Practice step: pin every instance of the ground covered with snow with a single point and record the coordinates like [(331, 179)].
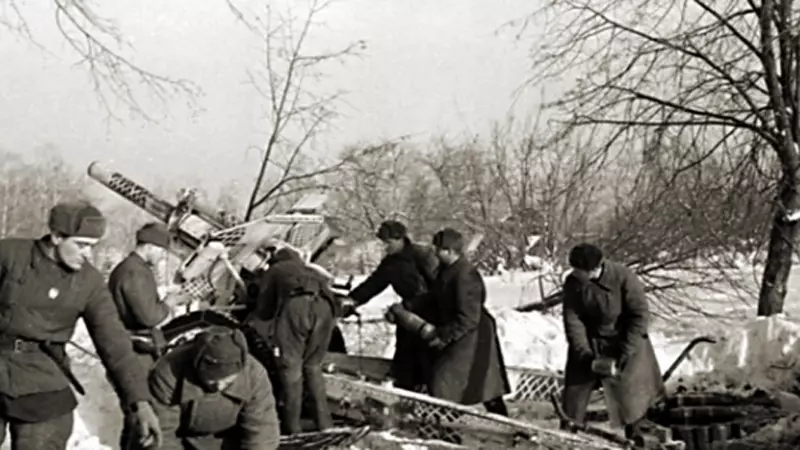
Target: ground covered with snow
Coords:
[(750, 351)]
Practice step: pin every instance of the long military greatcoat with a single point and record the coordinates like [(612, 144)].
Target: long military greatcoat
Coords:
[(470, 368), (609, 317)]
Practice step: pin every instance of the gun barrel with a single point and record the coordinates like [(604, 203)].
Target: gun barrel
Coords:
[(131, 191)]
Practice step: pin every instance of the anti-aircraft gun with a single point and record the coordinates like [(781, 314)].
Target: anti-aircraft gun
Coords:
[(221, 254)]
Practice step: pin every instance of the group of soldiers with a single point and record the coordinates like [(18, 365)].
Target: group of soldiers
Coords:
[(211, 393)]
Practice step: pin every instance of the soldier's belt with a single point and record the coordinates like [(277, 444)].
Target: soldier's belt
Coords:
[(18, 345)]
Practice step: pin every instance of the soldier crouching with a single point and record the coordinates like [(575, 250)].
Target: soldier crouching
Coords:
[(46, 285), (211, 394)]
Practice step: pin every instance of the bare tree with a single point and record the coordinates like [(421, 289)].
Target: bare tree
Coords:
[(99, 46), (296, 113), (723, 76), (379, 182)]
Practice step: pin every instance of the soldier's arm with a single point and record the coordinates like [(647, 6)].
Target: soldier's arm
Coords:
[(469, 305), (266, 302), (141, 297), (113, 345), (258, 419), (162, 388), (574, 328), (376, 283), (634, 309)]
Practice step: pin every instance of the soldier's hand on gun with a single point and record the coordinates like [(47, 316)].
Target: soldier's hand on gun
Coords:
[(148, 426)]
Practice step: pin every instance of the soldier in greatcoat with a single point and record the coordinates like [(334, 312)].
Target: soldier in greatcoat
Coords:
[(46, 285), (606, 316), (409, 269), (211, 394), (296, 313), (134, 287), (468, 365)]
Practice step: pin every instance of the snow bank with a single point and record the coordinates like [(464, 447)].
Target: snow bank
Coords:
[(760, 353)]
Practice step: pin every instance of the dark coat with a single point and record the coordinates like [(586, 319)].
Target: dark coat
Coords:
[(409, 272), (242, 416), (288, 276), (135, 291), (470, 368), (609, 317), (41, 300)]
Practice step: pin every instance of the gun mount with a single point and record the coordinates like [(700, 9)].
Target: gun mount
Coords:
[(216, 246)]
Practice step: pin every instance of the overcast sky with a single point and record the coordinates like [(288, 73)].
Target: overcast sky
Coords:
[(430, 67)]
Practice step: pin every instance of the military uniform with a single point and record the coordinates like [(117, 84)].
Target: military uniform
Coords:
[(409, 272), (608, 317), (241, 415), (296, 312), (41, 301), (134, 289), (468, 368)]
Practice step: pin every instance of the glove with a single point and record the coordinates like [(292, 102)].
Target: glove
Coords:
[(389, 315), (150, 435), (349, 307)]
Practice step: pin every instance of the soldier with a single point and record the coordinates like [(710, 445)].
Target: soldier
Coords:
[(211, 394), (468, 366), (410, 270), (135, 291), (46, 285), (296, 312), (606, 318)]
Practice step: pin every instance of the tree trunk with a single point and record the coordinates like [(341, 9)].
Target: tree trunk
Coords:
[(781, 248)]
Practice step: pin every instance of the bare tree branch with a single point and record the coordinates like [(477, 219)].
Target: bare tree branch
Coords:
[(114, 76), (296, 113)]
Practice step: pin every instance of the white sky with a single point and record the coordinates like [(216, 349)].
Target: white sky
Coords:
[(430, 67)]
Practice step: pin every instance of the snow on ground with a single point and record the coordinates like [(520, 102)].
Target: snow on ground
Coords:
[(762, 352)]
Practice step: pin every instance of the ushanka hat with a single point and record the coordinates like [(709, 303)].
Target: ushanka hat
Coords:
[(585, 257), (77, 219), (220, 352), (391, 229)]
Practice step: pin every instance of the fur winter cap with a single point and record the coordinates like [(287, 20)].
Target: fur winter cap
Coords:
[(449, 239), (220, 352), (153, 233), (77, 219), (391, 229), (585, 257)]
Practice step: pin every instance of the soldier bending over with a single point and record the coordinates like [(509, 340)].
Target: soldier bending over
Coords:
[(410, 270), (296, 312), (606, 320), (210, 394)]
